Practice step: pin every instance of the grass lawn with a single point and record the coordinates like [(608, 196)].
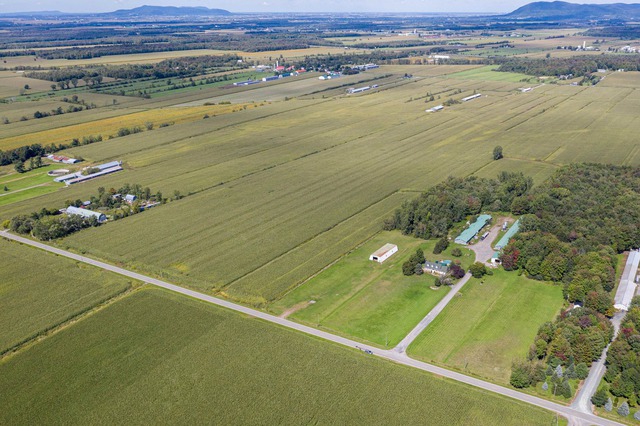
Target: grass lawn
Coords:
[(27, 185), (14, 181), (489, 324), (39, 290), (160, 358), (366, 300)]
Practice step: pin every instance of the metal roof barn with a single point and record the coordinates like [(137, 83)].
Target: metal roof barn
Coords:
[(627, 287), (384, 252), (467, 235), (86, 213), (508, 235)]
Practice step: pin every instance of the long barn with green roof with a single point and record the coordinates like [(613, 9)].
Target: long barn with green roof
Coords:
[(508, 235), (468, 234)]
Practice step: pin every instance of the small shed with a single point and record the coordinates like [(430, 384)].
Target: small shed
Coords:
[(130, 198), (384, 252)]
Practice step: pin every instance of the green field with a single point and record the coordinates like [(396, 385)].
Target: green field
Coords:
[(23, 186), (489, 324), (156, 357), (488, 73), (40, 291), (366, 300)]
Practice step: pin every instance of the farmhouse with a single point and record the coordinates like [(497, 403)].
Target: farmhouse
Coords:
[(384, 252), (508, 235), (627, 288), (86, 213), (468, 234), (130, 198), (439, 267)]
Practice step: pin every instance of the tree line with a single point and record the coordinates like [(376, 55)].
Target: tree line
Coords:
[(434, 212), (177, 67), (577, 65)]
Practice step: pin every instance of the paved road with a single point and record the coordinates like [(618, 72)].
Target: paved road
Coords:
[(404, 344), (391, 355), (582, 402)]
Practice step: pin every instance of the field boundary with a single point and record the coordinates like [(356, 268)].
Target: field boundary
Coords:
[(67, 322)]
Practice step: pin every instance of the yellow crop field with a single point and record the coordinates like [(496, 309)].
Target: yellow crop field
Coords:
[(110, 126)]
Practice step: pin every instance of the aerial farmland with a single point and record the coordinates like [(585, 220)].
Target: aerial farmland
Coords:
[(270, 189)]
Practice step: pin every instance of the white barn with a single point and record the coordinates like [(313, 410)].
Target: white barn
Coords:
[(101, 217), (627, 287), (384, 252)]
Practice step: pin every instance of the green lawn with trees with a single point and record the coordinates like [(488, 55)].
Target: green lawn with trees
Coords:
[(490, 324), (157, 357)]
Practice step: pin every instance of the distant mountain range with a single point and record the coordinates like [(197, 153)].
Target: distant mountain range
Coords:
[(560, 10), (168, 11), (138, 12), (541, 10)]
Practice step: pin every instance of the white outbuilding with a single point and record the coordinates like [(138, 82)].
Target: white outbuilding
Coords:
[(627, 286), (101, 217), (384, 252)]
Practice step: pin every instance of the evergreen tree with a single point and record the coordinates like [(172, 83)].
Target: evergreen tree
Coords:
[(623, 410), (599, 399), (441, 245), (608, 405), (582, 371)]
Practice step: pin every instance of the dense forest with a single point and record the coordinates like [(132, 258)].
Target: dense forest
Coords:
[(563, 350), (433, 213), (586, 205), (577, 65)]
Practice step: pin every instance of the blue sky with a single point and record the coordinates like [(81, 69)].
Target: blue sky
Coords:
[(425, 6)]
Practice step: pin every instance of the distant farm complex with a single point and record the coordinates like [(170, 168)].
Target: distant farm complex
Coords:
[(97, 171)]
